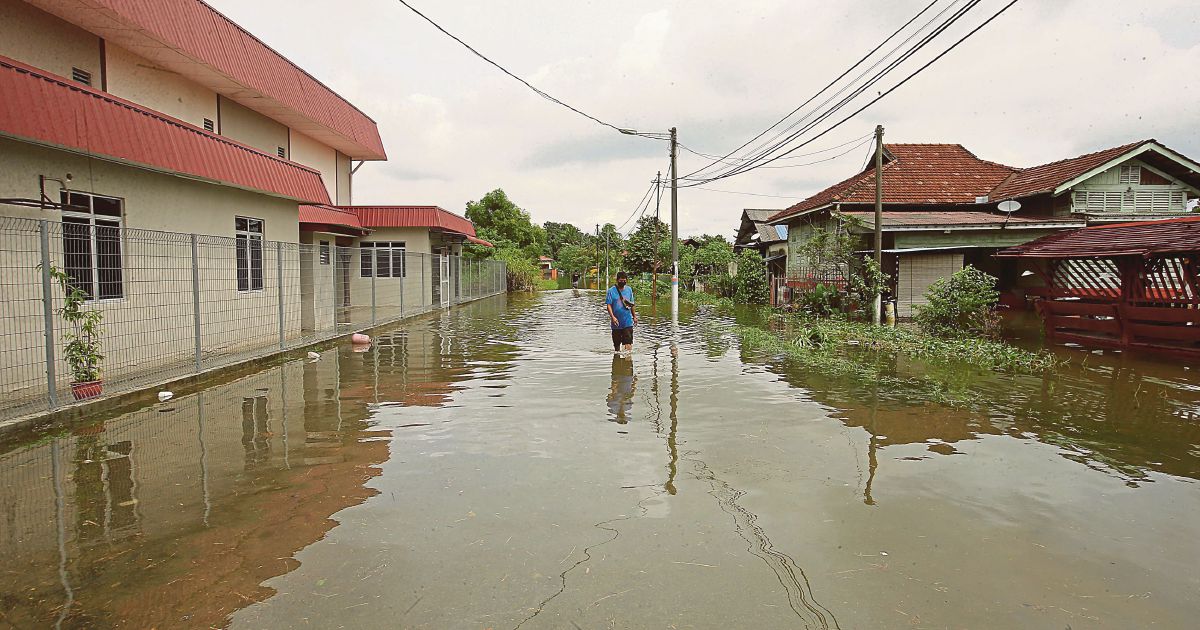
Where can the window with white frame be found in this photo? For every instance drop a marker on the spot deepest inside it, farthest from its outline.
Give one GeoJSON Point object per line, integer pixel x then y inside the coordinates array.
{"type": "Point", "coordinates": [249, 241]}
{"type": "Point", "coordinates": [383, 259]}
{"type": "Point", "coordinates": [91, 232]}
{"type": "Point", "coordinates": [1130, 174]}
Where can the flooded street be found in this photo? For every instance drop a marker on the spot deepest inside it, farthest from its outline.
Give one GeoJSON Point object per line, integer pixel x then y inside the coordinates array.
{"type": "Point", "coordinates": [496, 466]}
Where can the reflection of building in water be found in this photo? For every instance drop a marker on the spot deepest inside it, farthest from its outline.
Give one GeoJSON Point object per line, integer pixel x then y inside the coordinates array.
{"type": "Point", "coordinates": [187, 505]}
{"type": "Point", "coordinates": [620, 395]}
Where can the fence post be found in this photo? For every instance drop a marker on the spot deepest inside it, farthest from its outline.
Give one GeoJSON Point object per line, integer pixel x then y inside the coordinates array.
{"type": "Point", "coordinates": [48, 313]}
{"type": "Point", "coordinates": [374, 274]}
{"type": "Point", "coordinates": [423, 280]}
{"type": "Point", "coordinates": [403, 273]}
{"type": "Point", "coordinates": [337, 260]}
{"type": "Point", "coordinates": [279, 279]}
{"type": "Point", "coordinates": [196, 300]}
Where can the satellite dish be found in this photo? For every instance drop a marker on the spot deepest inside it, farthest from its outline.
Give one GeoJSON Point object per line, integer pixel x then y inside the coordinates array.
{"type": "Point", "coordinates": [1009, 207]}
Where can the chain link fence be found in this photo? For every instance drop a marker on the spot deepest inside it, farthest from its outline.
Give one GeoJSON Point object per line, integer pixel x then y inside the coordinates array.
{"type": "Point", "coordinates": [175, 304]}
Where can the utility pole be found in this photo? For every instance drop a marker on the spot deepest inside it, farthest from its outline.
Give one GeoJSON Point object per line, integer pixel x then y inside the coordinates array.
{"type": "Point", "coordinates": [654, 256]}
{"type": "Point", "coordinates": [598, 262]}
{"type": "Point", "coordinates": [674, 230]}
{"type": "Point", "coordinates": [607, 275]}
{"type": "Point", "coordinates": [877, 306]}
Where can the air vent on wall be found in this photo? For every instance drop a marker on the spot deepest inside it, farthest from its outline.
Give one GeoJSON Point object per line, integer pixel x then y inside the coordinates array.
{"type": "Point", "coordinates": [281, 152]}
{"type": "Point", "coordinates": [82, 76]}
{"type": "Point", "coordinates": [208, 125]}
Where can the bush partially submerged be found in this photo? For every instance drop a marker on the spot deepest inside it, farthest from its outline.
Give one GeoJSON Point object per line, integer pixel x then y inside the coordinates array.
{"type": "Point", "coordinates": [961, 305]}
{"type": "Point", "coordinates": [523, 274]}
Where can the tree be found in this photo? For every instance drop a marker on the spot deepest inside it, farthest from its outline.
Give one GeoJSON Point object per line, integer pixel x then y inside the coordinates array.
{"type": "Point", "coordinates": [506, 225]}
{"type": "Point", "coordinates": [575, 258]}
{"type": "Point", "coordinates": [642, 255]}
{"type": "Point", "coordinates": [750, 282]}
{"type": "Point", "coordinates": [559, 235]}
{"type": "Point", "coordinates": [961, 305]}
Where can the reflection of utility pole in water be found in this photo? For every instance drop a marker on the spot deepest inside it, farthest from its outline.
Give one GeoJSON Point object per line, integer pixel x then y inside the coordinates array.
{"type": "Point", "coordinates": [672, 436]}
{"type": "Point", "coordinates": [60, 526]}
{"type": "Point", "coordinates": [872, 461]}
{"type": "Point", "coordinates": [203, 456]}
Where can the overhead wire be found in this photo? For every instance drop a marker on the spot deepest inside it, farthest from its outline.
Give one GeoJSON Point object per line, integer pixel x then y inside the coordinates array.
{"type": "Point", "coordinates": [644, 203]}
{"type": "Point", "coordinates": [884, 94]}
{"type": "Point", "coordinates": [765, 160]}
{"type": "Point", "coordinates": [527, 84]}
{"type": "Point", "coordinates": [764, 154]}
{"type": "Point", "coordinates": [819, 92]}
{"type": "Point", "coordinates": [765, 148]}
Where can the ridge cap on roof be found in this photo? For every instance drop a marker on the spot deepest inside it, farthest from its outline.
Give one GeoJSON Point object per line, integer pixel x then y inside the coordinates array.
{"type": "Point", "coordinates": [1123, 147]}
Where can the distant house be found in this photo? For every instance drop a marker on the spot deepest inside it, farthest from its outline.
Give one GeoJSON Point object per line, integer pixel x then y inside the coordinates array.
{"type": "Point", "coordinates": [940, 207]}
{"type": "Point", "coordinates": [757, 233]}
{"type": "Point", "coordinates": [546, 264]}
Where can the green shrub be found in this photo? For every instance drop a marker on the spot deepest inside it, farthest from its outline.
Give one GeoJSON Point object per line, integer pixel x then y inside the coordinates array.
{"type": "Point", "coordinates": [522, 273]}
{"type": "Point", "coordinates": [961, 305]}
{"type": "Point", "coordinates": [750, 283]}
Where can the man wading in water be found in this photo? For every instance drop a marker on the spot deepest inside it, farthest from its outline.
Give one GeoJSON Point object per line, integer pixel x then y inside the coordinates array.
{"type": "Point", "coordinates": [619, 301]}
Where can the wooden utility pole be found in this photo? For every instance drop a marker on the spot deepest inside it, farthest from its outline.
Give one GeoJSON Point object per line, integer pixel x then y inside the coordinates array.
{"type": "Point", "coordinates": [674, 230]}
{"type": "Point", "coordinates": [654, 257]}
{"type": "Point", "coordinates": [877, 305]}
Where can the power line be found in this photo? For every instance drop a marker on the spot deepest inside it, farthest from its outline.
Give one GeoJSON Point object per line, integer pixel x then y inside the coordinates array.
{"type": "Point", "coordinates": [731, 161]}
{"type": "Point", "coordinates": [764, 153]}
{"type": "Point", "coordinates": [738, 192]}
{"type": "Point", "coordinates": [764, 160]}
{"type": "Point", "coordinates": [819, 92]}
{"type": "Point", "coordinates": [527, 84]}
{"type": "Point", "coordinates": [644, 203]}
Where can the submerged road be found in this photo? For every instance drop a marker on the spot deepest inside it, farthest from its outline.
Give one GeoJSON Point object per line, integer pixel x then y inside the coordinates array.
{"type": "Point", "coordinates": [496, 466]}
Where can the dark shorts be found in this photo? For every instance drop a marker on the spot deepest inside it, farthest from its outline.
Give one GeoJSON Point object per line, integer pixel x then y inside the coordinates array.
{"type": "Point", "coordinates": [622, 336]}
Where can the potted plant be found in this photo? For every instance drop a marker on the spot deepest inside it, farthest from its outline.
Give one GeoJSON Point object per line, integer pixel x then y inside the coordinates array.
{"type": "Point", "coordinates": [82, 349]}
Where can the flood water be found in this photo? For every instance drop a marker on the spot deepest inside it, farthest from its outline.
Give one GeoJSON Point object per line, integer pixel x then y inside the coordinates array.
{"type": "Point", "coordinates": [496, 466]}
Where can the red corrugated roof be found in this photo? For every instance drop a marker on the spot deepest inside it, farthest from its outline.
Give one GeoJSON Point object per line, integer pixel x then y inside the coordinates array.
{"type": "Point", "coordinates": [431, 217]}
{"type": "Point", "coordinates": [915, 174]}
{"type": "Point", "coordinates": [1047, 177]}
{"type": "Point", "coordinates": [479, 241]}
{"type": "Point", "coordinates": [197, 41]}
{"type": "Point", "coordinates": [1142, 238]}
{"type": "Point", "coordinates": [328, 215]}
{"type": "Point", "coordinates": [42, 108]}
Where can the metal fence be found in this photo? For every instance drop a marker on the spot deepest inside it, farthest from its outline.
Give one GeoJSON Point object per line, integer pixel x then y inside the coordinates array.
{"type": "Point", "coordinates": [175, 304]}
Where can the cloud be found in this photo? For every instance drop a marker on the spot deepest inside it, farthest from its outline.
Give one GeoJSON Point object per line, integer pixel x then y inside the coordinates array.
{"type": "Point", "coordinates": [1042, 82]}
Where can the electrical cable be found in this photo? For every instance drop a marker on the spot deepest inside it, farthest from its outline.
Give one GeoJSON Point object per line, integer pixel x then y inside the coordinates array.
{"type": "Point", "coordinates": [644, 202]}
{"type": "Point", "coordinates": [883, 95]}
{"type": "Point", "coordinates": [527, 84]}
{"type": "Point", "coordinates": [819, 92]}
{"type": "Point", "coordinates": [765, 153]}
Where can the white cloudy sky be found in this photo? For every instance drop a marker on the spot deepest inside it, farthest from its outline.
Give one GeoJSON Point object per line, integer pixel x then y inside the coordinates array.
{"type": "Point", "coordinates": [1048, 79]}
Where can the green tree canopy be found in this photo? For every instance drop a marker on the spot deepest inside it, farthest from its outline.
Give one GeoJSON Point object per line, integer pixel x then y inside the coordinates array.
{"type": "Point", "coordinates": [505, 224]}
{"type": "Point", "coordinates": [561, 234]}
{"type": "Point", "coordinates": [642, 254]}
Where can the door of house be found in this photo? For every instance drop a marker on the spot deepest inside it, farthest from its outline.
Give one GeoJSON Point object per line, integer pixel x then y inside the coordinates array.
{"type": "Point", "coordinates": [445, 279]}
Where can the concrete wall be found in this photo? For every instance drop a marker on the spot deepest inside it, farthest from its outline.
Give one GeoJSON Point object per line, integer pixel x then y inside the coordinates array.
{"type": "Point", "coordinates": [344, 188]}
{"type": "Point", "coordinates": [42, 40]}
{"type": "Point", "coordinates": [315, 155]}
{"type": "Point", "coordinates": [153, 201]}
{"type": "Point", "coordinates": [252, 128]}
{"type": "Point", "coordinates": [137, 79]}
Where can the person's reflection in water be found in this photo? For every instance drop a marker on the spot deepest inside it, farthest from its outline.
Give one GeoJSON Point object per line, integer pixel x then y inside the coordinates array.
{"type": "Point", "coordinates": [620, 397]}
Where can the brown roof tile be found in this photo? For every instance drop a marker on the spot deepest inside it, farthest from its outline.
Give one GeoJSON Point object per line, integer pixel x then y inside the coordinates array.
{"type": "Point", "coordinates": [1047, 177]}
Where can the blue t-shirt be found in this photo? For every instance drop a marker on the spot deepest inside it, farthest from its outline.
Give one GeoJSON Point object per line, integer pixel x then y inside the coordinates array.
{"type": "Point", "coordinates": [624, 315]}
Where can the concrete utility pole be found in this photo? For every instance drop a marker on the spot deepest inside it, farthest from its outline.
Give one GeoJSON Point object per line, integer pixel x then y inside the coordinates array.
{"type": "Point", "coordinates": [598, 262]}
{"type": "Point", "coordinates": [674, 230]}
{"type": "Point", "coordinates": [607, 275]}
{"type": "Point", "coordinates": [654, 258]}
{"type": "Point", "coordinates": [877, 306]}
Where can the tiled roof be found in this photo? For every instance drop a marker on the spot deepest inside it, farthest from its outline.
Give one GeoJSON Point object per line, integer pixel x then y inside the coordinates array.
{"type": "Point", "coordinates": [193, 39]}
{"type": "Point", "coordinates": [41, 108]}
{"type": "Point", "coordinates": [1047, 177]}
{"type": "Point", "coordinates": [1122, 239]}
{"type": "Point", "coordinates": [899, 221]}
{"type": "Point", "coordinates": [915, 174]}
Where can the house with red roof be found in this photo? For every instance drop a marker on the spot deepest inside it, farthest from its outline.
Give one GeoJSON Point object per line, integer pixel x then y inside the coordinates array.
{"type": "Point", "coordinates": [941, 208]}
{"type": "Point", "coordinates": [130, 127]}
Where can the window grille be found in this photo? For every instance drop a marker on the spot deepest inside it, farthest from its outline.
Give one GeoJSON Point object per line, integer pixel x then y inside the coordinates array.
{"type": "Point", "coordinates": [82, 76]}
{"type": "Point", "coordinates": [281, 152]}
{"type": "Point", "coordinates": [384, 259]}
{"type": "Point", "coordinates": [1145, 201]}
{"type": "Point", "coordinates": [208, 124]}
{"type": "Point", "coordinates": [1130, 175]}
{"type": "Point", "coordinates": [324, 252]}
{"type": "Point", "coordinates": [249, 236]}
{"type": "Point", "coordinates": [92, 244]}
